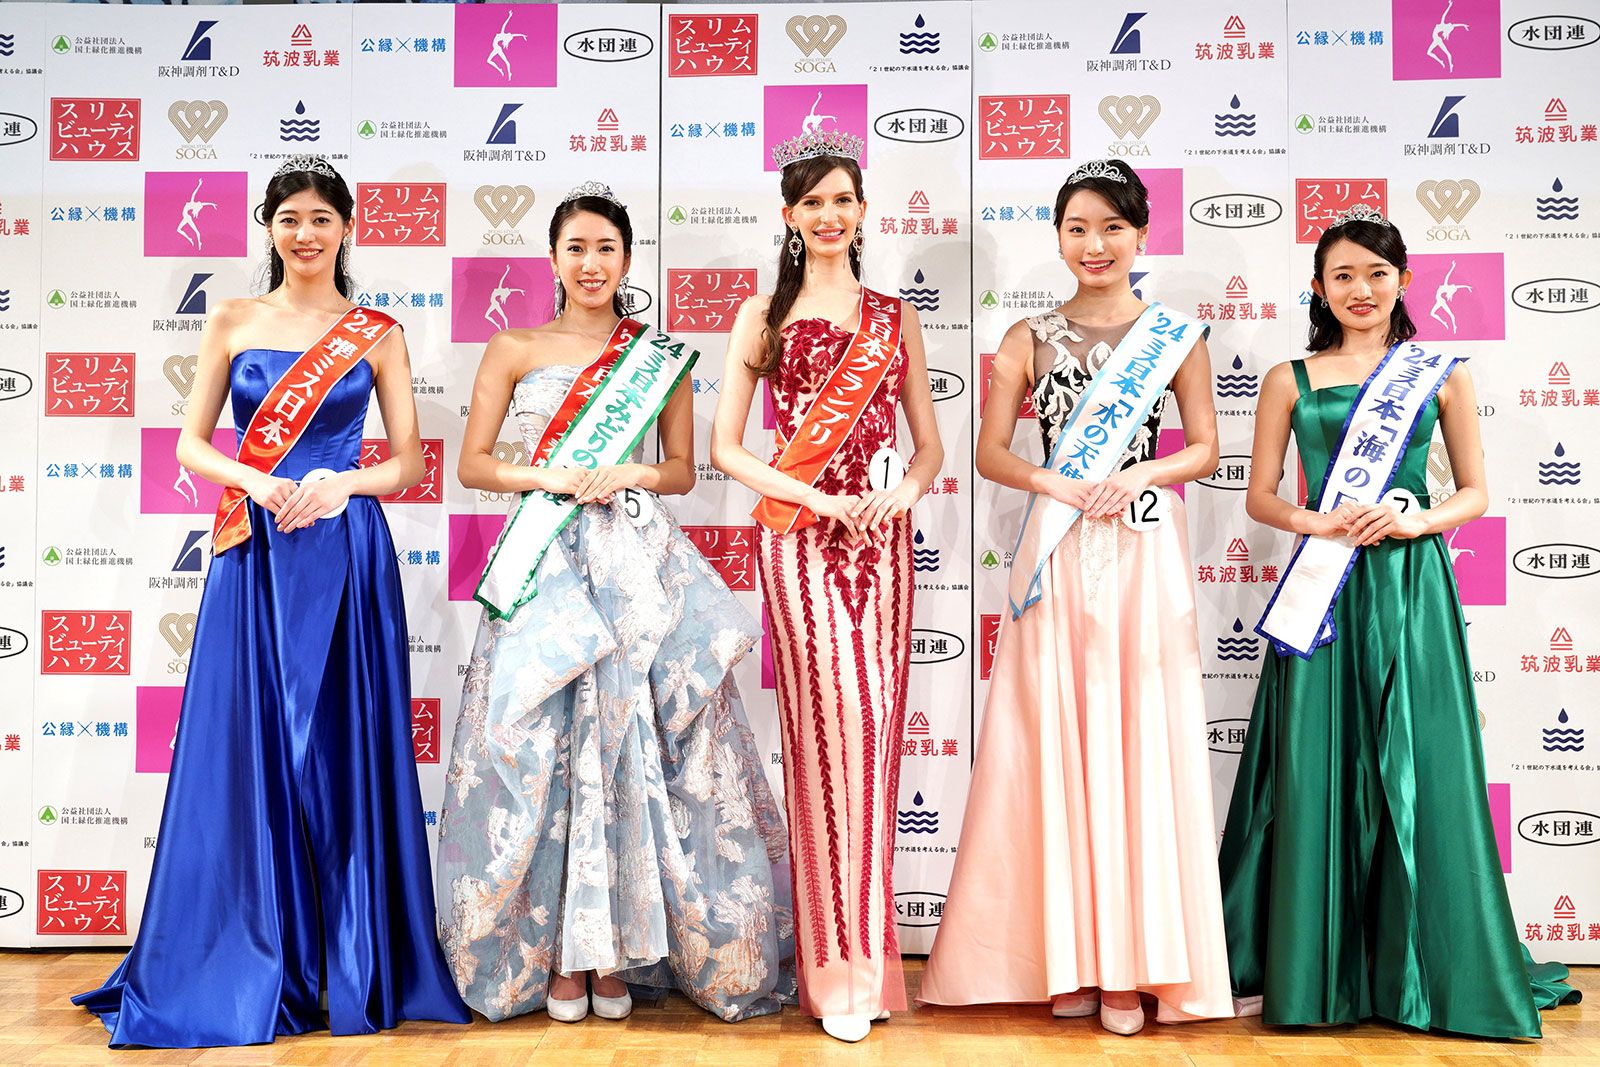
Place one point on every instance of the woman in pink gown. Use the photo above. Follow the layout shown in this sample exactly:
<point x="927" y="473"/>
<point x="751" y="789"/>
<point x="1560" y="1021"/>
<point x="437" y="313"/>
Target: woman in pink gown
<point x="1087" y="872"/>
<point x="835" y="563"/>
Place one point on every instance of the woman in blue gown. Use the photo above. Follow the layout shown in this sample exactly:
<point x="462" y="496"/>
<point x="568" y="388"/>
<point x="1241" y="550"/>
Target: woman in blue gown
<point x="292" y="863"/>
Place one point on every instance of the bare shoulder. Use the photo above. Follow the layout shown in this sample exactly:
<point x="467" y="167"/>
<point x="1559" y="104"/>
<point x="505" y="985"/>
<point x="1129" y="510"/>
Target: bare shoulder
<point x="754" y="309"/>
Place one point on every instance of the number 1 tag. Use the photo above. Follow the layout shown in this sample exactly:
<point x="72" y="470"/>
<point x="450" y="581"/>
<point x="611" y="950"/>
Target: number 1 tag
<point x="1147" y="510"/>
<point x="636" y="506"/>
<point x="886" y="470"/>
<point x="1402" y="501"/>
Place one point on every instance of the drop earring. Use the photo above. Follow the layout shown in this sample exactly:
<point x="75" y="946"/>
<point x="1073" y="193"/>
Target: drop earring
<point x="858" y="242"/>
<point x="1402" y="292"/>
<point x="795" y="247"/>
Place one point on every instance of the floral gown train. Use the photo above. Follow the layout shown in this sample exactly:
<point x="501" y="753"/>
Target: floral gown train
<point x="605" y="807"/>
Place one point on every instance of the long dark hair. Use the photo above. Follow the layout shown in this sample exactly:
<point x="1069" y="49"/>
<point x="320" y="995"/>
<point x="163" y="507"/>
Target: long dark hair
<point x="1128" y="198"/>
<point x="1383" y="240"/>
<point x="334" y="192"/>
<point x="613" y="213"/>
<point x="799" y="178"/>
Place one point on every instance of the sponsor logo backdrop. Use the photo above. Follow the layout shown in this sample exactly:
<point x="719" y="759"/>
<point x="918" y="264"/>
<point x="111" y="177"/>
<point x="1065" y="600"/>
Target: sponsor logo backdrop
<point x="1473" y="125"/>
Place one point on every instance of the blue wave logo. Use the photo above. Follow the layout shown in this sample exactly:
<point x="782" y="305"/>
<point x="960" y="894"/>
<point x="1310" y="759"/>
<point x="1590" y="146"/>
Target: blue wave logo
<point x="5" y="299"/>
<point x="1559" y="471"/>
<point x="299" y="128"/>
<point x="1238" y="384"/>
<point x="193" y="301"/>
<point x="923" y="297"/>
<point x="923" y="559"/>
<point x="8" y="44"/>
<point x="923" y="42"/>
<point x="1236" y="123"/>
<point x="1246" y="646"/>
<point x="1563" y="738"/>
<point x="1447" y="123"/>
<point x="917" y="820"/>
<point x="1555" y="208"/>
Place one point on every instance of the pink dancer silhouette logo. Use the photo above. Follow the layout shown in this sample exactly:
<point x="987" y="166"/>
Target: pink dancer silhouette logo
<point x="1446" y="39"/>
<point x="1478" y="554"/>
<point x="1458" y="296"/>
<point x="503" y="45"/>
<point x="155" y="727"/>
<point x="165" y="488"/>
<point x="195" y="213"/>
<point x="494" y="293"/>
<point x="471" y="537"/>
<point x="790" y="110"/>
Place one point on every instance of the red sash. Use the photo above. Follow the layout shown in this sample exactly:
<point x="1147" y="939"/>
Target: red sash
<point x="287" y="409"/>
<point x="837" y="408"/>
<point x="582" y="389"/>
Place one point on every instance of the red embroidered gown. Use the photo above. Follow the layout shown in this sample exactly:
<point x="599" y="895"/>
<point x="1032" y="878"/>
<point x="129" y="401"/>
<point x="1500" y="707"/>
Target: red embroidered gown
<point x="841" y="628"/>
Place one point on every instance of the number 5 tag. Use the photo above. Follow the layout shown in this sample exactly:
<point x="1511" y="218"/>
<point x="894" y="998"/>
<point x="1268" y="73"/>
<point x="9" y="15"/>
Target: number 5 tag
<point x="1147" y="510"/>
<point x="636" y="506"/>
<point x="886" y="470"/>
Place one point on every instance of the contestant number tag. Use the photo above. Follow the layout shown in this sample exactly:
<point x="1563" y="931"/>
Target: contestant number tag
<point x="1147" y="510"/>
<point x="636" y="506"/>
<point x="318" y="475"/>
<point x="1402" y="501"/>
<point x="887" y="469"/>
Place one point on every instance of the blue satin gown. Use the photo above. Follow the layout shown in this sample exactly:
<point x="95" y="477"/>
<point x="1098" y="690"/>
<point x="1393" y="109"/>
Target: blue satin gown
<point x="292" y="855"/>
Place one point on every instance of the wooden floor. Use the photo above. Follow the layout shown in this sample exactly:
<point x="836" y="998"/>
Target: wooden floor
<point x="38" y="1025"/>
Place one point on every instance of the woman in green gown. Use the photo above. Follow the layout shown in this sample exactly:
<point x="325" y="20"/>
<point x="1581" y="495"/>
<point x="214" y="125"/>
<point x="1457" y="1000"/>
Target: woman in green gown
<point x="1360" y="875"/>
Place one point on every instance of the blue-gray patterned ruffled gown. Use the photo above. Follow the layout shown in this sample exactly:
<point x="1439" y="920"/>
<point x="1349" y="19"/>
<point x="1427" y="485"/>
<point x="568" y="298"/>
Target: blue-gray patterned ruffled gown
<point x="605" y="807"/>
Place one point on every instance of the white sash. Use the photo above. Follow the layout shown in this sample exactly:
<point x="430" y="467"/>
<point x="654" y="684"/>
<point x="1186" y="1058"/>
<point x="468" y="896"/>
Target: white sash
<point x="1102" y="426"/>
<point x="605" y="432"/>
<point x="1299" y="617"/>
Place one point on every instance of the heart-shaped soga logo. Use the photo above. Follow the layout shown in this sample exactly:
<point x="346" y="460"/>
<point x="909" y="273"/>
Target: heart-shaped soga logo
<point x="815" y="34"/>
<point x="503" y="204"/>
<point x="178" y="630"/>
<point x="1448" y="199"/>
<point x="1129" y="114"/>
<point x="180" y="371"/>
<point x="197" y="118"/>
<point x="511" y="452"/>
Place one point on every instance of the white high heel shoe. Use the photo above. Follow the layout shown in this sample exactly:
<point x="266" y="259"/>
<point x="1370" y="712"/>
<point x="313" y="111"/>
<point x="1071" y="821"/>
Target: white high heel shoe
<point x="612" y="1008"/>
<point x="574" y="1010"/>
<point x="1074" y="1005"/>
<point x="849" y="1028"/>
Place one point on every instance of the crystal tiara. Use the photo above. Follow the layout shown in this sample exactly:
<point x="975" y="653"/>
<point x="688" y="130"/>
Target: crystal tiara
<point x="314" y="164"/>
<point x="1097" y="168"/>
<point x="817" y="143"/>
<point x="1359" y="213"/>
<point x="596" y="189"/>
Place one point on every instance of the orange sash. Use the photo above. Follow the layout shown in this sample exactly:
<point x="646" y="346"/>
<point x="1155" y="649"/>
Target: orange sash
<point x="582" y="389"/>
<point x="836" y="410"/>
<point x="287" y="409"/>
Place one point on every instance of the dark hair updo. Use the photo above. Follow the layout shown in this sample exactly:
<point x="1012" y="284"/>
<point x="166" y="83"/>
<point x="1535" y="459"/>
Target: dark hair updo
<point x="333" y="191"/>
<point x="1383" y="240"/>
<point x="799" y="178"/>
<point x="1128" y="198"/>
<point x="613" y="213"/>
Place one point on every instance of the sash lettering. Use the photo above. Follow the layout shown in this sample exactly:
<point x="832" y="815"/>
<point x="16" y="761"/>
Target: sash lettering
<point x="1299" y="617"/>
<point x="287" y="409"/>
<point x="837" y="408"/>
<point x="1102" y="425"/>
<point x="600" y="421"/>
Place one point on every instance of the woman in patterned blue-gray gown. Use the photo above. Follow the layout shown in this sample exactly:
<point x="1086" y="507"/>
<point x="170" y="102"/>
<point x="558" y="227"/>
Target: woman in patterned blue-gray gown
<point x="606" y="814"/>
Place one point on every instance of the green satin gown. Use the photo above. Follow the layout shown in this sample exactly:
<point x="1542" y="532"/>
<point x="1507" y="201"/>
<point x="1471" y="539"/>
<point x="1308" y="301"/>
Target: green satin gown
<point x="1360" y="875"/>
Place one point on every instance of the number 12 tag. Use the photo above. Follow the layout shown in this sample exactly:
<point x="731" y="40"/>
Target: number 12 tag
<point x="1147" y="510"/>
<point x="886" y="470"/>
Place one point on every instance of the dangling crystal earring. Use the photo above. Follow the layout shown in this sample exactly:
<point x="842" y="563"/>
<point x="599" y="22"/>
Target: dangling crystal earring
<point x="1141" y="248"/>
<point x="1402" y="292"/>
<point x="856" y="244"/>
<point x="796" y="246"/>
<point x="558" y="295"/>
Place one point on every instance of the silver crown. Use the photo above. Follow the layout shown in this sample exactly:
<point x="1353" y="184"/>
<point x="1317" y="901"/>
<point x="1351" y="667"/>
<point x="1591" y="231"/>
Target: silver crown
<point x="1359" y="213"/>
<point x="314" y="164"/>
<point x="596" y="189"/>
<point x="817" y="143"/>
<point x="1097" y="168"/>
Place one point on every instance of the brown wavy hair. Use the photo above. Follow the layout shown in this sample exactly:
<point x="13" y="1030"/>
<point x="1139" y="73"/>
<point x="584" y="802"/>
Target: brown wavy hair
<point x="799" y="178"/>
